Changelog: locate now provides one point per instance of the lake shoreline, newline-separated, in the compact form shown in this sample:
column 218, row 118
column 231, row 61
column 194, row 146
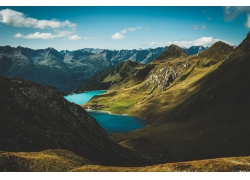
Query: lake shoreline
column 112, row 123
column 85, row 92
column 107, row 112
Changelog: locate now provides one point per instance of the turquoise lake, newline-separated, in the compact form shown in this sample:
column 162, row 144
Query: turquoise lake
column 83, row 97
column 110, row 122
column 117, row 123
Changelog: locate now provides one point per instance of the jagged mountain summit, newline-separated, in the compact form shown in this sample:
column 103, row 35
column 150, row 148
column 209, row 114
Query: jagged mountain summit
column 65, row 70
column 111, row 78
column 44, row 66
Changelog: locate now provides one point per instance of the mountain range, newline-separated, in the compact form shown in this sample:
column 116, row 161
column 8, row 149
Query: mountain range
column 54, row 68
column 196, row 107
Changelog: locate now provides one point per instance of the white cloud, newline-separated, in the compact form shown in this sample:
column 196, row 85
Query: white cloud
column 146, row 29
column 247, row 24
column 204, row 41
column 87, row 38
column 133, row 29
column 129, row 29
column 36, row 35
column 209, row 18
column 18, row 19
column 18, row 35
column 74, row 37
column 195, row 27
column 231, row 12
column 117, row 36
column 39, row 35
column 57, row 34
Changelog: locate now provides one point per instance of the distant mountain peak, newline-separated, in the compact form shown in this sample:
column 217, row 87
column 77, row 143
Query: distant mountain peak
column 217, row 50
column 172, row 52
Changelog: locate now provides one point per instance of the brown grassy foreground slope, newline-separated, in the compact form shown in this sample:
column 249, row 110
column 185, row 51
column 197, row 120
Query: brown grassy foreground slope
column 49, row 160
column 56, row 160
column 233, row 164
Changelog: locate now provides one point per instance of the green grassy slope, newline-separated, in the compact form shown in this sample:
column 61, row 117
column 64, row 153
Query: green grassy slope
column 201, row 113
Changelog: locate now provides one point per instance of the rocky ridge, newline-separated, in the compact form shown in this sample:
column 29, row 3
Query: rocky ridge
column 65, row 70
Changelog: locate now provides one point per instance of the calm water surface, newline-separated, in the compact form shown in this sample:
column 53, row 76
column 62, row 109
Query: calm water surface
column 83, row 97
column 110, row 122
column 118, row 123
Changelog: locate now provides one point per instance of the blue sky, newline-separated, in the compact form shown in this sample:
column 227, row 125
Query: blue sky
column 121, row 27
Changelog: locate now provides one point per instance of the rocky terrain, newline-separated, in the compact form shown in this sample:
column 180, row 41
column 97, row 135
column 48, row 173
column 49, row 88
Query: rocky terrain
column 66, row 70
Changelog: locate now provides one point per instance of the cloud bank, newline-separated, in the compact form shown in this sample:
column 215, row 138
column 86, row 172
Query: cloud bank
column 120, row 35
column 57, row 34
column 18, row 19
column 204, row 41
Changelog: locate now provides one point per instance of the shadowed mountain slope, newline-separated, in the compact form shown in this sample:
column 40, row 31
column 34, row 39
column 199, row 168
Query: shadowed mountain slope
column 36, row 118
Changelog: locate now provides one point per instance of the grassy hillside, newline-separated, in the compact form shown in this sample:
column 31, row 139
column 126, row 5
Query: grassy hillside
column 199, row 104
column 110, row 78
column 49, row 160
column 56, row 160
column 233, row 164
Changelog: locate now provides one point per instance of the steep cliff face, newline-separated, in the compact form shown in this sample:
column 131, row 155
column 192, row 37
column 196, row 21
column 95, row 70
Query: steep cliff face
column 36, row 118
